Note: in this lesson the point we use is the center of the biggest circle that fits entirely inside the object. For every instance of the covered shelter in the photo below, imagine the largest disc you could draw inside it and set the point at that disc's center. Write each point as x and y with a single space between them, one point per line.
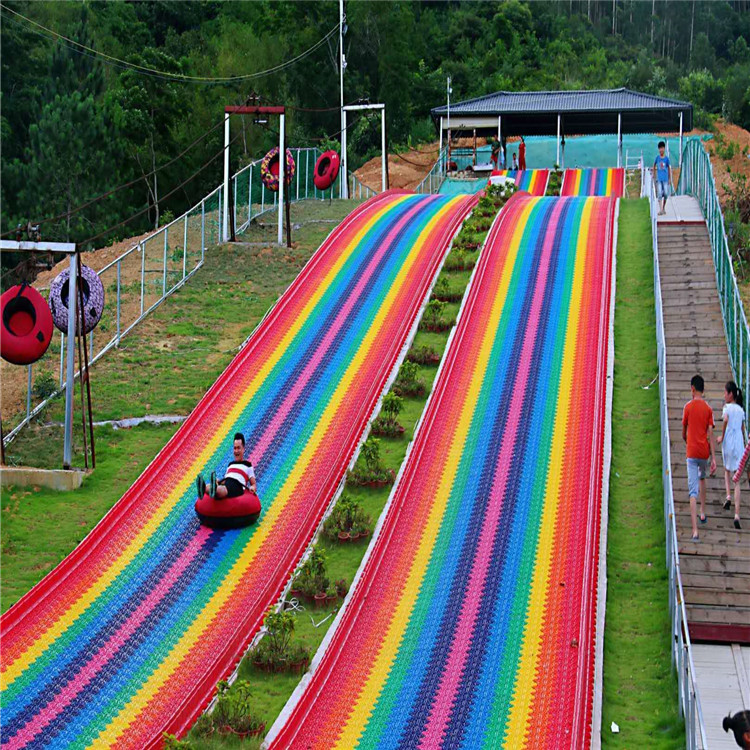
559 113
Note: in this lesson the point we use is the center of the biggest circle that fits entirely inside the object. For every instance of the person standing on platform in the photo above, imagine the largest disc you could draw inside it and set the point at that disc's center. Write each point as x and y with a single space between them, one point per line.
662 177
522 154
698 434
515 162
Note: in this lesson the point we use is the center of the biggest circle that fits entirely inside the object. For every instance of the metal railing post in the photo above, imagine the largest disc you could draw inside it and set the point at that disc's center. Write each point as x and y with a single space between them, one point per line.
307 171
164 269
143 271
184 249
70 373
118 303
203 230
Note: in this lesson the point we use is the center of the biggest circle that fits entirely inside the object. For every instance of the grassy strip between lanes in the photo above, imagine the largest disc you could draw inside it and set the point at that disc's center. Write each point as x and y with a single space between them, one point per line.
640 688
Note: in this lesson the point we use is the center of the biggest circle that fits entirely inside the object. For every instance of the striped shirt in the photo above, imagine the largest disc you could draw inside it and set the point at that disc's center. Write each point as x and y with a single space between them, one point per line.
241 471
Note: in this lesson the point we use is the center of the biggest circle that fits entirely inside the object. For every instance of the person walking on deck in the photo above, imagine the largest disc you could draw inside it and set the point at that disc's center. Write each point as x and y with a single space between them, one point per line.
732 441
698 434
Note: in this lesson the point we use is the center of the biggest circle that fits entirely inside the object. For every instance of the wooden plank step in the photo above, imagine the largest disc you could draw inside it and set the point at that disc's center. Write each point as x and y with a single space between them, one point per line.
719 615
715 598
715 566
725 582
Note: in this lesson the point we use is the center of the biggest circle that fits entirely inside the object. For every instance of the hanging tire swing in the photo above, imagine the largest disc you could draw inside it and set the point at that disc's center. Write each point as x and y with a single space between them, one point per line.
93 300
269 169
326 170
26 325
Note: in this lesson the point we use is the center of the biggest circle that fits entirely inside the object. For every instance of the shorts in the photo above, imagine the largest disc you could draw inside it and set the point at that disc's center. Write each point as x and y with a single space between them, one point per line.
696 470
234 488
662 189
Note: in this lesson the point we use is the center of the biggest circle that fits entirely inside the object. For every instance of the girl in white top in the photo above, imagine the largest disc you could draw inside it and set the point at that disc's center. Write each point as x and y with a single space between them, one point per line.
732 441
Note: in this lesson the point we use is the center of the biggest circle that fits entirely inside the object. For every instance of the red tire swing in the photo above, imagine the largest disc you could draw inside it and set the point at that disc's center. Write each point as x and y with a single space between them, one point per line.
326 170
26 325
269 169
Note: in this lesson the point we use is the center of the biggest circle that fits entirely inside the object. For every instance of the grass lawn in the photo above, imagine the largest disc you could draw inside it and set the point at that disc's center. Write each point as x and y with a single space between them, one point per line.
640 689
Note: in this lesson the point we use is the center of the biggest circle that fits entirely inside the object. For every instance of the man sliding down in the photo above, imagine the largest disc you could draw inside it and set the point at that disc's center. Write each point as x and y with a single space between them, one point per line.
239 477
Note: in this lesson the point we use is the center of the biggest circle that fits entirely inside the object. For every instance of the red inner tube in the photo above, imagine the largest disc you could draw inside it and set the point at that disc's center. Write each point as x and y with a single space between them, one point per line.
326 170
26 325
229 513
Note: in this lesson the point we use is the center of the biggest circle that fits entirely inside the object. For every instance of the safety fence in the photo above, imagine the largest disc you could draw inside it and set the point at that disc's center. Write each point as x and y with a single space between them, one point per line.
435 177
137 281
697 180
682 655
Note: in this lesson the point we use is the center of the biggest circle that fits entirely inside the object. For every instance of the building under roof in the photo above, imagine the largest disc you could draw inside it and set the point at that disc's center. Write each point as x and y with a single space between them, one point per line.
561 113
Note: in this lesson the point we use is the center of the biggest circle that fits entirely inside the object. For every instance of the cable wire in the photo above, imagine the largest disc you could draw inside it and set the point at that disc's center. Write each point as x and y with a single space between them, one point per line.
163 197
166 75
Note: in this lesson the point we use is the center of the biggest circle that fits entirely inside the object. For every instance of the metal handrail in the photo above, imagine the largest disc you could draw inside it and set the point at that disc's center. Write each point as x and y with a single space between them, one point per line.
201 223
435 177
697 180
682 654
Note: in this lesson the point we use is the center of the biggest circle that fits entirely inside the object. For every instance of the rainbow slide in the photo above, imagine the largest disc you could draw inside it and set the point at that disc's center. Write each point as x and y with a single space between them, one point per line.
533 181
602 182
129 635
473 619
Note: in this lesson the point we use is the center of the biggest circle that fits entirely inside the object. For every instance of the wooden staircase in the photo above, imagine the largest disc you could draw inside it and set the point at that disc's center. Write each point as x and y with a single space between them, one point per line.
715 570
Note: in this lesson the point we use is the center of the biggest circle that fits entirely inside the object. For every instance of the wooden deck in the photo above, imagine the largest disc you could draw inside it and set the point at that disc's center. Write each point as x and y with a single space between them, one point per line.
715 570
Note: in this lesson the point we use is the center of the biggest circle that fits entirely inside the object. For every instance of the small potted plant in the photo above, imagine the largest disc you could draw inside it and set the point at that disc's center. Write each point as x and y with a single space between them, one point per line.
408 382
387 421
370 470
423 355
171 742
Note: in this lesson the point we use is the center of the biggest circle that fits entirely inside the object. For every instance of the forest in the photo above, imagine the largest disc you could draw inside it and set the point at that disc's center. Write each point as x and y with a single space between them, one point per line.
97 95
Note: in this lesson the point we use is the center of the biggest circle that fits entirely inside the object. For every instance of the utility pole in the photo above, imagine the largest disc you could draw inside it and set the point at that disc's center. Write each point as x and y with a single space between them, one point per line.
344 182
448 160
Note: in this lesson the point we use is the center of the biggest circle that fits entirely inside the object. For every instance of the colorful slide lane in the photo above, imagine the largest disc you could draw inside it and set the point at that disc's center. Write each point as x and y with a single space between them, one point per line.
129 635
472 623
533 181
602 182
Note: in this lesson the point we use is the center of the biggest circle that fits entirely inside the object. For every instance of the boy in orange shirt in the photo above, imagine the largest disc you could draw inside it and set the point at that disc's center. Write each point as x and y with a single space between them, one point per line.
698 433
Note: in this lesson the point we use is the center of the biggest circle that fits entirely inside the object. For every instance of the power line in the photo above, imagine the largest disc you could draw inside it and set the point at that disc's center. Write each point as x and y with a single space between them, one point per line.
163 197
166 75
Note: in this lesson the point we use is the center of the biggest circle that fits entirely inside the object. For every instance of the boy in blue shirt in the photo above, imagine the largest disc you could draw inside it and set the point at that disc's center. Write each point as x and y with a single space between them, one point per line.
662 177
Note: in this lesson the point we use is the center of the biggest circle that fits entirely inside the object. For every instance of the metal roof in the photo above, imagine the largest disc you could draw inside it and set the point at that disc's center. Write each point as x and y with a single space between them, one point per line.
535 112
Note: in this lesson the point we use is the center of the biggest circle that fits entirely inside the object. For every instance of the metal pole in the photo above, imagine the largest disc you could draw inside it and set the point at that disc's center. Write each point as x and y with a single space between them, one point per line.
297 162
62 357
680 161
619 139
382 147
440 148
225 219
118 302
557 160
250 193
28 392
282 180
448 89
344 163
72 290
344 185
307 170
